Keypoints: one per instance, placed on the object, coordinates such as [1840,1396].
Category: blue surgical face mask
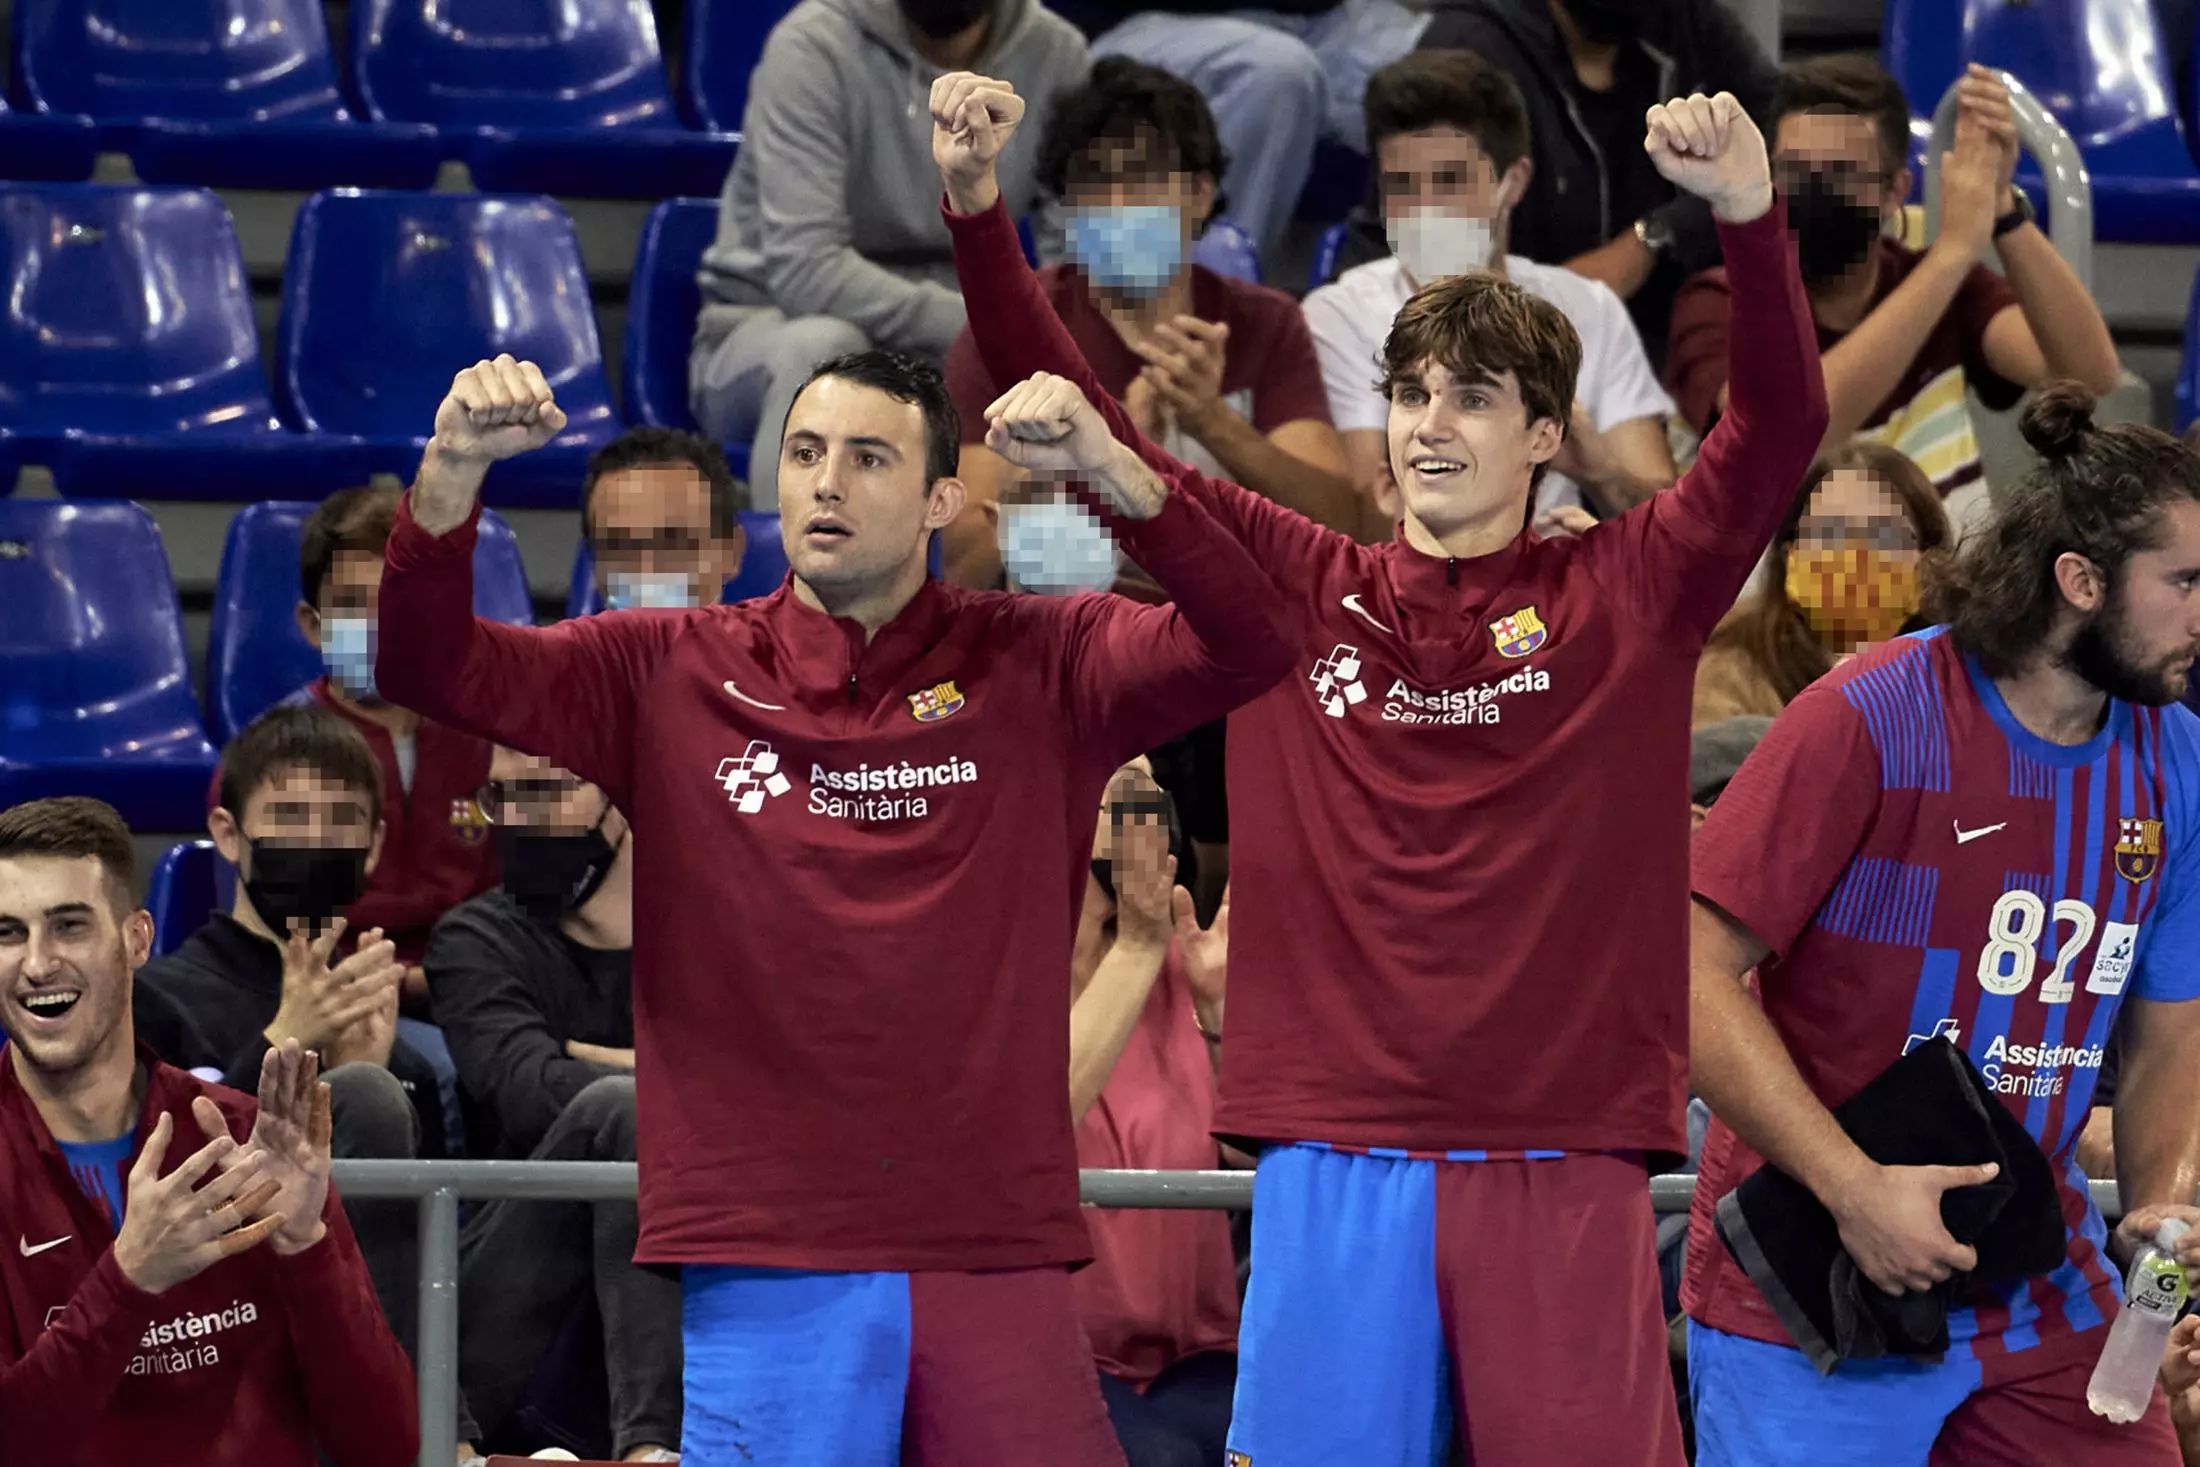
[649,591]
[1057,547]
[347,650]
[1134,249]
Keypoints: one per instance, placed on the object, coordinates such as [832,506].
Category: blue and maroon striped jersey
[1920,863]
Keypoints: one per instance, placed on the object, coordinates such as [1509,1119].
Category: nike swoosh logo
[1352,604]
[734,692]
[24,1244]
[1965,837]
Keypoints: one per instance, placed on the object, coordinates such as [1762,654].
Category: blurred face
[1853,570]
[653,539]
[557,835]
[535,797]
[303,848]
[2141,641]
[1840,188]
[68,945]
[1130,215]
[1462,448]
[1445,208]
[854,507]
[343,625]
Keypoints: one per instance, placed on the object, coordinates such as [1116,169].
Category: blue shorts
[792,1369]
[1396,1302]
[1764,1405]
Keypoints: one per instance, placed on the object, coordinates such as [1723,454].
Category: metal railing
[439,1185]
[2069,186]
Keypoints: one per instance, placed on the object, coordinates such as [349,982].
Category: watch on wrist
[2020,213]
[1656,236]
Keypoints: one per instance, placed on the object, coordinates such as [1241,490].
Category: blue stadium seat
[190,883]
[2098,65]
[49,147]
[725,40]
[1227,250]
[661,305]
[2188,370]
[387,296]
[129,360]
[1327,251]
[255,654]
[229,93]
[763,566]
[95,694]
[564,98]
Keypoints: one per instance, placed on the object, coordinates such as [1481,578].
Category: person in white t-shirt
[1451,144]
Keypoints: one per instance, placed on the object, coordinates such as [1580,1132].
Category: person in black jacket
[1590,69]
[532,986]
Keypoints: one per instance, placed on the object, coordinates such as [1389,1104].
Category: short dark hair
[348,520]
[1126,103]
[69,828]
[1448,87]
[904,379]
[1479,326]
[298,736]
[2099,492]
[648,447]
[1853,83]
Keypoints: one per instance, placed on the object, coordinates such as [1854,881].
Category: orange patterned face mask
[1853,597]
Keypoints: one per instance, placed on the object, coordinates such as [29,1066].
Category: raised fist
[973,117]
[1045,425]
[497,410]
[1709,147]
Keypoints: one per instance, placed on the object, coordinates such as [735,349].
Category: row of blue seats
[569,98]
[95,687]
[130,364]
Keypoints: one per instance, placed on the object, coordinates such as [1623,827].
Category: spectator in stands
[1221,371]
[1452,161]
[662,515]
[302,820]
[1903,331]
[435,850]
[2181,1381]
[829,232]
[1590,69]
[1160,1300]
[1842,575]
[176,1299]
[532,986]
[1279,79]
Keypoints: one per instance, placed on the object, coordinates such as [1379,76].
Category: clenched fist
[1044,425]
[973,117]
[496,410]
[1709,147]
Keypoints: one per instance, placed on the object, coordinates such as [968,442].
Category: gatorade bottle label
[2158,1286]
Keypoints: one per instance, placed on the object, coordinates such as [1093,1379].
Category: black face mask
[551,875]
[1833,232]
[1608,22]
[291,879]
[937,20]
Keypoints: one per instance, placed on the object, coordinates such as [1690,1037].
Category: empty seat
[231,93]
[95,693]
[662,303]
[46,147]
[724,41]
[538,96]
[190,883]
[129,361]
[387,296]
[2098,66]
[255,654]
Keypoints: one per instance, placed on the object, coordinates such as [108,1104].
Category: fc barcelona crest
[934,704]
[1519,634]
[2138,849]
[469,822]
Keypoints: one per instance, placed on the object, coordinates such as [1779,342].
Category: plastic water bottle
[2154,1295]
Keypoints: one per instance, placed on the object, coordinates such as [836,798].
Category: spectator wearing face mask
[1904,332]
[1159,1302]
[532,987]
[1589,70]
[661,512]
[1453,162]
[829,234]
[301,819]
[435,851]
[1844,574]
[1222,371]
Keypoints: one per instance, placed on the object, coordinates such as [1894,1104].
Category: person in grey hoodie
[829,233]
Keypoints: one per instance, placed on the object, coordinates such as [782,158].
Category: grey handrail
[2069,186]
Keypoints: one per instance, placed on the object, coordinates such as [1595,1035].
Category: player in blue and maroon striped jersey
[1991,831]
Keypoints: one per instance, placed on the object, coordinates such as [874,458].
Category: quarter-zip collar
[827,661]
